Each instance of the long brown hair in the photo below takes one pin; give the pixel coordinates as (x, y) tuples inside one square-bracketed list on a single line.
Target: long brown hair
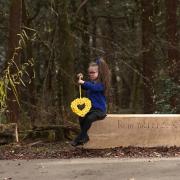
[(104, 75)]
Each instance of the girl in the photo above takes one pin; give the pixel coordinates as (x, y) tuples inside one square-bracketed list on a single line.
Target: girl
[(97, 89)]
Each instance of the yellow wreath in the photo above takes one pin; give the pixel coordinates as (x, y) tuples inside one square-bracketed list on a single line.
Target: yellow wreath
[(81, 101)]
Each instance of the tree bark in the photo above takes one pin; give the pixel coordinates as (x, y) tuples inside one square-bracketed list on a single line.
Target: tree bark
[(173, 54), (28, 54), (172, 38), (85, 37), (15, 25), (148, 59), (66, 61)]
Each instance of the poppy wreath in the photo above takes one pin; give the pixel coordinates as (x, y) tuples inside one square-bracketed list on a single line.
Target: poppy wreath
[(81, 101)]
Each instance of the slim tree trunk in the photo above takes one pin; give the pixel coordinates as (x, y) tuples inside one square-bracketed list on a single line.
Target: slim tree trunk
[(15, 22), (172, 37), (148, 59), (107, 30), (85, 36), (28, 54), (66, 61), (173, 54)]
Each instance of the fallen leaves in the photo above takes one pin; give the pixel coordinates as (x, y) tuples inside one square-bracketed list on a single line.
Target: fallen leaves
[(57, 150)]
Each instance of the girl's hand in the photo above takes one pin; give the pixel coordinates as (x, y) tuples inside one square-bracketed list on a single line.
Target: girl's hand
[(80, 81), (80, 76)]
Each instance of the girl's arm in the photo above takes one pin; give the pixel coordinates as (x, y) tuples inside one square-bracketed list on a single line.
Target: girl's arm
[(94, 87), (81, 82), (91, 86)]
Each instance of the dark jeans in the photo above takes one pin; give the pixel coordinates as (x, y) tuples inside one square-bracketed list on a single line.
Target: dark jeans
[(86, 122)]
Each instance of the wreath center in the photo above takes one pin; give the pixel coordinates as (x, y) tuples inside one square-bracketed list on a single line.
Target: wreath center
[(81, 106)]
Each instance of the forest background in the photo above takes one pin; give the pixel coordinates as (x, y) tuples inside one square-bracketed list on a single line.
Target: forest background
[(45, 43)]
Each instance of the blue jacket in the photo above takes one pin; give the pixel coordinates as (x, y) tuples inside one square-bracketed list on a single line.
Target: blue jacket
[(95, 92)]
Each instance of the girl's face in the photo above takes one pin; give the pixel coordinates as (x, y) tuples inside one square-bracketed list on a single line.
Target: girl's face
[(93, 72)]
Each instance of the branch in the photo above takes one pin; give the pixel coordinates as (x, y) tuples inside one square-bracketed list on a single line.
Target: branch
[(81, 5)]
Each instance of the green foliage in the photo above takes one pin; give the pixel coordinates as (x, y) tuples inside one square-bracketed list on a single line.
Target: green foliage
[(109, 28), (2, 118), (13, 75), (163, 103)]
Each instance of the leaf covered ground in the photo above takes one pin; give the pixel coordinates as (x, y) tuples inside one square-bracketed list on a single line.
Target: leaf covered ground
[(42, 150)]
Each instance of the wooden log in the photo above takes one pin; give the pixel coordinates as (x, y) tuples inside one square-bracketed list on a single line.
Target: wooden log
[(47, 135), (8, 133), (51, 132), (140, 130), (73, 128)]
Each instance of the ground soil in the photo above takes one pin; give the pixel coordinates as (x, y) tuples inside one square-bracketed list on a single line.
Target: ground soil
[(63, 150)]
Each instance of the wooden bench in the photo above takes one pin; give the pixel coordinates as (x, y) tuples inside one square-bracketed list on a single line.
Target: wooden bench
[(140, 130)]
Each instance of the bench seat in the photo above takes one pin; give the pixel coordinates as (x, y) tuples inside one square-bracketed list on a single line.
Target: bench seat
[(140, 130)]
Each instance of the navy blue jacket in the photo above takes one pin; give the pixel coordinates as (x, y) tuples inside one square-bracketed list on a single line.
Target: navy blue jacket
[(95, 92)]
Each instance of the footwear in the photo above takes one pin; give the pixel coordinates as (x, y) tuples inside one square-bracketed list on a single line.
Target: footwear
[(84, 140), (75, 143), (78, 142)]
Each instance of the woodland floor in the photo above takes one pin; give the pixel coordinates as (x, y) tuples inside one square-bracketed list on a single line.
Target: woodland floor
[(44, 150)]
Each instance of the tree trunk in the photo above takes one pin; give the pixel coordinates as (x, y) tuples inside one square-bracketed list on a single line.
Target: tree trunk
[(173, 54), (28, 54), (172, 37), (15, 23), (148, 59), (66, 61), (85, 37)]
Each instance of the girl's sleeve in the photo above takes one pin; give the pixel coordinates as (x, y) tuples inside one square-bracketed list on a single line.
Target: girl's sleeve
[(84, 87), (94, 87)]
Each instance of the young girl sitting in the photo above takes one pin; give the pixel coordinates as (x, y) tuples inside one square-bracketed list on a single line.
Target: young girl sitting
[(97, 90)]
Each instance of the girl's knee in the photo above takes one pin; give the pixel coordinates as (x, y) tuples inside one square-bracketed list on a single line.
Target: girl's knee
[(89, 119)]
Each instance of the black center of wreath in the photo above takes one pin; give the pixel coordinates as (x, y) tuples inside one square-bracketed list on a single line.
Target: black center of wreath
[(81, 107)]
